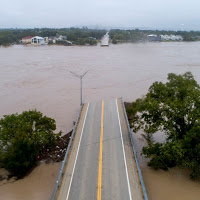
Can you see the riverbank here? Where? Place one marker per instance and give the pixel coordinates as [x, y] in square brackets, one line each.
[57, 152]
[38, 185]
[46, 156]
[97, 44]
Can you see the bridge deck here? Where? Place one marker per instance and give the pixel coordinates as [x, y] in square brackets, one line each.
[101, 163]
[105, 40]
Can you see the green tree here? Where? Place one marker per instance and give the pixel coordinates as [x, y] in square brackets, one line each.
[22, 136]
[114, 41]
[91, 41]
[173, 108]
[6, 38]
[188, 38]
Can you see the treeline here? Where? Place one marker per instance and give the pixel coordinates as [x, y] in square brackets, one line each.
[85, 36]
[118, 35]
[7, 38]
[79, 36]
[137, 35]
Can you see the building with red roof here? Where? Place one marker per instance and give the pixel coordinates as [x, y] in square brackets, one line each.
[27, 39]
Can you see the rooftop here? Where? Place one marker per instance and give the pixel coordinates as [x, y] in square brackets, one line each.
[38, 37]
[28, 37]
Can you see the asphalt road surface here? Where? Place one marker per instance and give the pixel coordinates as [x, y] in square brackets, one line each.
[100, 168]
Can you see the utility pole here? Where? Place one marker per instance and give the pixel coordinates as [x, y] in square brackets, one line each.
[81, 78]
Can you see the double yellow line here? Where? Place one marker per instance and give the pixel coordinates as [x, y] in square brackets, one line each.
[100, 155]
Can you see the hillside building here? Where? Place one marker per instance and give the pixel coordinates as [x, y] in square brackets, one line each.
[27, 39]
[171, 37]
[153, 38]
[38, 40]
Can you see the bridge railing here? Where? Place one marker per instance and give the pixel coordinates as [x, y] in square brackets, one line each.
[135, 153]
[66, 154]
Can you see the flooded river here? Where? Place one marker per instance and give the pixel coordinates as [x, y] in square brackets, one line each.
[38, 77]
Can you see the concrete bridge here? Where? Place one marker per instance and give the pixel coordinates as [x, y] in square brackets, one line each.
[105, 40]
[101, 162]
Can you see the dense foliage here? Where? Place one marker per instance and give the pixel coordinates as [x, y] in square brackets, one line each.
[79, 36]
[22, 136]
[7, 38]
[141, 35]
[174, 109]
[85, 36]
[127, 35]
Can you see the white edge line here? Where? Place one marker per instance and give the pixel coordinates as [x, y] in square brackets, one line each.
[129, 190]
[77, 154]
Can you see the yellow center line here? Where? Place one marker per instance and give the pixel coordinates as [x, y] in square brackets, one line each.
[100, 155]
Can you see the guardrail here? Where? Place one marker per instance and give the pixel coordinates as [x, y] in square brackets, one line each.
[66, 154]
[135, 153]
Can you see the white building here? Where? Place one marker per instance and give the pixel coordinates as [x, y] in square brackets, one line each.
[60, 38]
[38, 40]
[153, 38]
[171, 37]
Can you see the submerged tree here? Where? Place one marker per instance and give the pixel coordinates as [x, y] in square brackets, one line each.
[173, 108]
[22, 136]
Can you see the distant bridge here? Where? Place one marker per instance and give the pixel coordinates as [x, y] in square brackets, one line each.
[105, 40]
[101, 163]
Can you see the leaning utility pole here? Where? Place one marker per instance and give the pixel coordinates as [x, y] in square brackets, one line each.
[80, 77]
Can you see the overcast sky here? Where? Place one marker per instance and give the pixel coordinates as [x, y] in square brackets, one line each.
[161, 14]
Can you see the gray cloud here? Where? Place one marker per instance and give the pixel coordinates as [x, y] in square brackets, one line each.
[112, 13]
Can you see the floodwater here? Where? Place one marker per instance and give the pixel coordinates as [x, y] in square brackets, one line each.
[38, 185]
[39, 77]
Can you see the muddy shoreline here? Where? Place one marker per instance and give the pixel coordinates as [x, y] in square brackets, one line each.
[57, 152]
[38, 185]
[50, 155]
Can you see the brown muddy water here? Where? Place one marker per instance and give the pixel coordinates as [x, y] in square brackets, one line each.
[38, 77]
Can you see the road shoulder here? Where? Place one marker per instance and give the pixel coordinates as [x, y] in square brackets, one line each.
[67, 172]
[135, 185]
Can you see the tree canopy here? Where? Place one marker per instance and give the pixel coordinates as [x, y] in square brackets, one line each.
[174, 109]
[86, 36]
[136, 35]
[22, 136]
[79, 36]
